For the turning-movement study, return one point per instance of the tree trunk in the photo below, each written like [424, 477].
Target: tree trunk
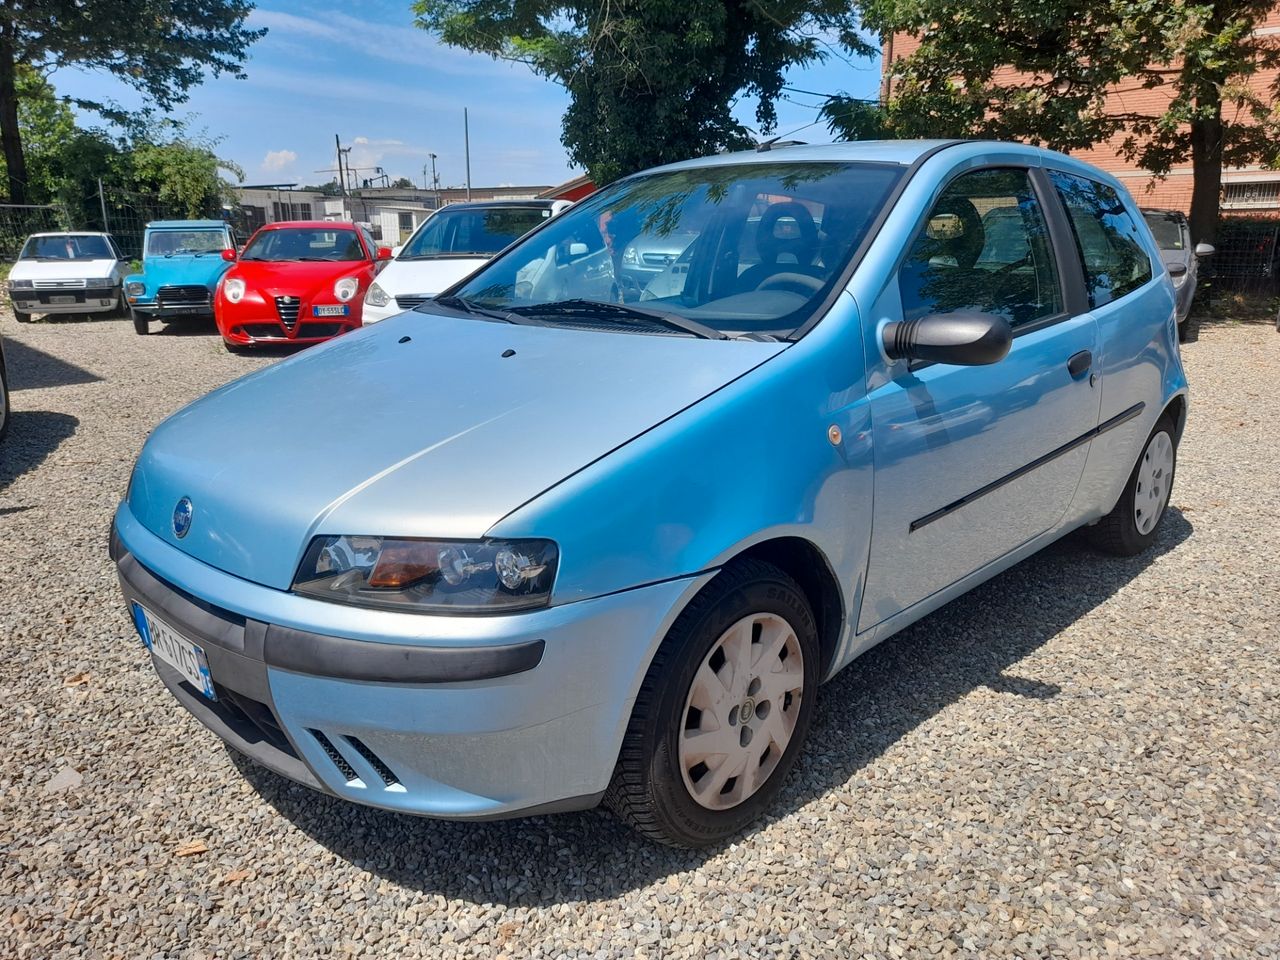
[1206, 176]
[10, 135]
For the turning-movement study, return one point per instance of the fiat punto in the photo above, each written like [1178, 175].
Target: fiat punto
[544, 542]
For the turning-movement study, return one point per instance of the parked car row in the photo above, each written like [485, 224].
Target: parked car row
[295, 282]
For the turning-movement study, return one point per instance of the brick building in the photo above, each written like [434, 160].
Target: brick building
[1247, 191]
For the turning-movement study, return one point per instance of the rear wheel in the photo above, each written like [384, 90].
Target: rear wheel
[1132, 525]
[141, 325]
[723, 711]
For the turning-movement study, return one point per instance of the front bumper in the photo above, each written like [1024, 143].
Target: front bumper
[82, 301]
[463, 717]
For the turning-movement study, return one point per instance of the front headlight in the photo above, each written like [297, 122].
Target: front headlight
[21, 284]
[629, 256]
[233, 290]
[430, 576]
[99, 283]
[346, 288]
[135, 288]
[376, 297]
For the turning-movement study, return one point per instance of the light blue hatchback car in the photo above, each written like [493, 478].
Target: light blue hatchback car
[550, 540]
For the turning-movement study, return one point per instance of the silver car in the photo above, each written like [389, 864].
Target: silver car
[1173, 234]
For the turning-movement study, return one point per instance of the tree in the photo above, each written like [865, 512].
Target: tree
[402, 183]
[1048, 71]
[650, 81]
[184, 173]
[161, 48]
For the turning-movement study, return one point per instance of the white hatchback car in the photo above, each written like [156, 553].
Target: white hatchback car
[449, 245]
[67, 273]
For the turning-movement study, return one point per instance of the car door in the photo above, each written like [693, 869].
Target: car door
[973, 462]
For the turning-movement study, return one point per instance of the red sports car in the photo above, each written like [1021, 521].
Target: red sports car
[297, 282]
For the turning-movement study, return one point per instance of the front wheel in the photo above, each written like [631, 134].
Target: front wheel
[141, 325]
[723, 711]
[1132, 525]
[21, 316]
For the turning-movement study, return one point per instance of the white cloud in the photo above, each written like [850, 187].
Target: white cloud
[277, 160]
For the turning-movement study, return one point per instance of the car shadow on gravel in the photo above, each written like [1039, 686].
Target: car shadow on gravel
[973, 642]
[32, 369]
[33, 435]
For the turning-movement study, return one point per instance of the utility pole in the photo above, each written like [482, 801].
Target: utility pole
[466, 139]
[102, 202]
[342, 177]
[435, 180]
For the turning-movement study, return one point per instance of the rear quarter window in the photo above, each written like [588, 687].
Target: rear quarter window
[1108, 238]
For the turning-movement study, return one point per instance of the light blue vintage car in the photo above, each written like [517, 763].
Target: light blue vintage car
[546, 541]
[182, 262]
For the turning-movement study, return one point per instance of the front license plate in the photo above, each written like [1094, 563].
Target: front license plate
[178, 652]
[330, 310]
[62, 299]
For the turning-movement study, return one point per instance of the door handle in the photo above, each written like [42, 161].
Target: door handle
[1079, 363]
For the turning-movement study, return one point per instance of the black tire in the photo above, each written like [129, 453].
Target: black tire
[21, 316]
[1117, 533]
[141, 325]
[648, 790]
[1189, 329]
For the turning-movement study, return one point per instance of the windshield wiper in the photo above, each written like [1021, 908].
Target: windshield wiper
[622, 311]
[466, 306]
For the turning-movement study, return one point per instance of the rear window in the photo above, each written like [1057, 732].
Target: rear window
[1108, 238]
[1167, 230]
[472, 231]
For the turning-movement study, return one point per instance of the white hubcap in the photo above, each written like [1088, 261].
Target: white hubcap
[741, 711]
[1155, 472]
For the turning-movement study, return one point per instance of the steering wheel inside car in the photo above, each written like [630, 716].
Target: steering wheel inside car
[792, 281]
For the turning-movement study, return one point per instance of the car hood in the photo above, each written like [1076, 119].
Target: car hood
[184, 271]
[426, 277]
[293, 277]
[61, 269]
[419, 426]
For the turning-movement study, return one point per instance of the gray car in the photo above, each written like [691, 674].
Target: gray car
[1181, 258]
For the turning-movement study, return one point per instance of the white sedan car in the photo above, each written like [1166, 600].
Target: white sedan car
[67, 273]
[449, 245]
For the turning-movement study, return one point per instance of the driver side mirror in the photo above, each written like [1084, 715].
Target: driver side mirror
[1205, 250]
[229, 256]
[383, 253]
[965, 338]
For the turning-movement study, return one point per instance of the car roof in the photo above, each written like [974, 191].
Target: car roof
[311, 224]
[902, 152]
[72, 233]
[186, 224]
[489, 204]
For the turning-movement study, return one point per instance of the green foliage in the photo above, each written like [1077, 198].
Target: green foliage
[402, 183]
[650, 81]
[161, 48]
[184, 174]
[1068, 57]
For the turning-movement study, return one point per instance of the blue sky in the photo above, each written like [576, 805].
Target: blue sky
[395, 95]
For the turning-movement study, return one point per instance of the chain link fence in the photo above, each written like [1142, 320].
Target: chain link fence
[1247, 257]
[19, 221]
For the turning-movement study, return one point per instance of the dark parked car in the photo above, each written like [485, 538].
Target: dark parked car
[1173, 234]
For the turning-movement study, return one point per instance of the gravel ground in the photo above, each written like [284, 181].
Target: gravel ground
[1078, 759]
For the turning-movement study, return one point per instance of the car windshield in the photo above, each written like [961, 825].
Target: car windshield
[1167, 230]
[170, 243]
[305, 243]
[748, 248]
[471, 231]
[67, 247]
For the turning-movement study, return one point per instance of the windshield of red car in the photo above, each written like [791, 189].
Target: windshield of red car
[69, 247]
[478, 231]
[305, 244]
